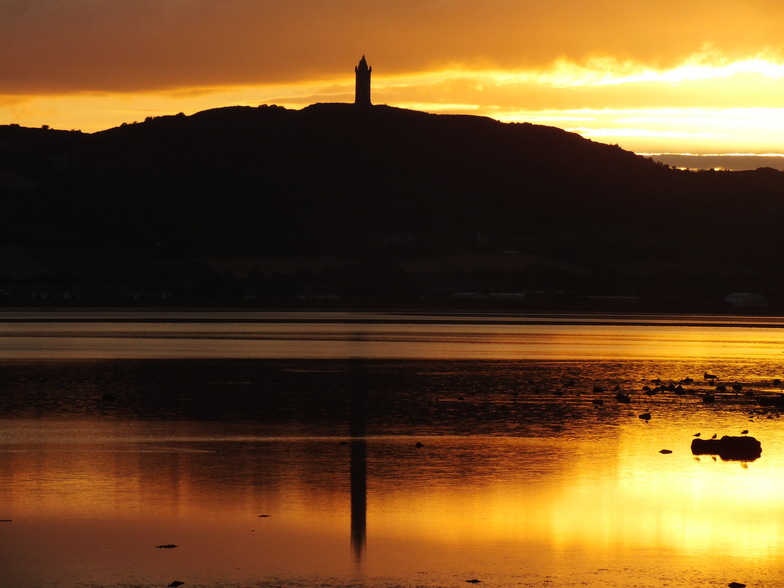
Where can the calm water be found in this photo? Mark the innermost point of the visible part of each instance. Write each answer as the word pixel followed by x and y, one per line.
pixel 121 432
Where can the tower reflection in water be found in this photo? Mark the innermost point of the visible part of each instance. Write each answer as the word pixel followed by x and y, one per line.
pixel 358 468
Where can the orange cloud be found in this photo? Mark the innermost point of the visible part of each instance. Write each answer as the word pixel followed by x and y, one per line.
pixel 666 75
pixel 64 46
pixel 704 104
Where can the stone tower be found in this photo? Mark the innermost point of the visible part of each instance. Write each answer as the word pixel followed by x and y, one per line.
pixel 362 96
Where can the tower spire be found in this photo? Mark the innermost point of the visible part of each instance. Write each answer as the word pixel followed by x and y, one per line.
pixel 362 95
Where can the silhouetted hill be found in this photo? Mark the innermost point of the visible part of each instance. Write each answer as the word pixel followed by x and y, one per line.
pixel 380 187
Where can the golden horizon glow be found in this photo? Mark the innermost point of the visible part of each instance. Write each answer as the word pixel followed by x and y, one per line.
pixel 82 64
pixel 704 104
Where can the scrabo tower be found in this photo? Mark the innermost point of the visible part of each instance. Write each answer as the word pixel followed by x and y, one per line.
pixel 362 96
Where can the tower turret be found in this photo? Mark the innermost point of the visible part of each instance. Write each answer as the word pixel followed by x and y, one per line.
pixel 362 95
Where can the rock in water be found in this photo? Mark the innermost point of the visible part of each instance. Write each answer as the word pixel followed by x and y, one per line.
pixel 728 448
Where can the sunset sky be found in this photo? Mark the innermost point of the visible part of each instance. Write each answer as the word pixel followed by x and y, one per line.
pixel 704 76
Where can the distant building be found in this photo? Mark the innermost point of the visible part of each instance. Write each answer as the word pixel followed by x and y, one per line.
pixel 747 300
pixel 362 96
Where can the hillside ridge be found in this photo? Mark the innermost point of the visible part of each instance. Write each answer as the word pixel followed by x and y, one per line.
pixel 381 187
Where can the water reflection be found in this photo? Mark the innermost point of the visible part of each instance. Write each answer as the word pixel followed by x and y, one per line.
pixel 384 335
pixel 358 468
pixel 92 498
pixel 358 498
pixel 522 479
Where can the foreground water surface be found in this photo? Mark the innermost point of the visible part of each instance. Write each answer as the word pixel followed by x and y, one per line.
pixel 380 449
